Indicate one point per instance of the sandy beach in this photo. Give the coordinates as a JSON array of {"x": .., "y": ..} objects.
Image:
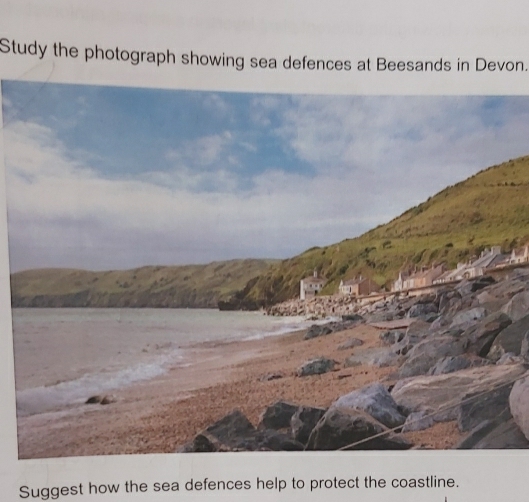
[{"x": 159, "y": 415}]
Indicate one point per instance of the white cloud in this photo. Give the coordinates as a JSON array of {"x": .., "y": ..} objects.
[
  {"x": 371, "y": 159},
  {"x": 62, "y": 214}
]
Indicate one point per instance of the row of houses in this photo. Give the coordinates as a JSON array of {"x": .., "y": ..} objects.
[
  {"x": 410, "y": 279},
  {"x": 489, "y": 259},
  {"x": 359, "y": 286}
]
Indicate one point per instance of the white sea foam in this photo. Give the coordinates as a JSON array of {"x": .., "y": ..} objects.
[
  {"x": 64, "y": 356},
  {"x": 74, "y": 392}
]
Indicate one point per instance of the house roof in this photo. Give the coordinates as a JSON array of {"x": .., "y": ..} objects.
[
  {"x": 487, "y": 260},
  {"x": 423, "y": 273},
  {"x": 520, "y": 251},
  {"x": 314, "y": 280},
  {"x": 352, "y": 282}
]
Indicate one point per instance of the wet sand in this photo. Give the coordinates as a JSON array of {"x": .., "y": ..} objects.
[{"x": 160, "y": 415}]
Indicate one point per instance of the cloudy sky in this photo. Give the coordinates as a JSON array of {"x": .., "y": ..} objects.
[{"x": 106, "y": 177}]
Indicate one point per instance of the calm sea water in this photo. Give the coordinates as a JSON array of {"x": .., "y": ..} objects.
[{"x": 64, "y": 355}]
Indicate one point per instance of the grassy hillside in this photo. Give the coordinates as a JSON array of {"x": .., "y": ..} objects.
[
  {"x": 184, "y": 286},
  {"x": 490, "y": 208}
]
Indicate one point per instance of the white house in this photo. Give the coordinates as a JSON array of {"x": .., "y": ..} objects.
[{"x": 311, "y": 285}]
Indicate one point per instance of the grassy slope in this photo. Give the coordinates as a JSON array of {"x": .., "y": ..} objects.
[
  {"x": 489, "y": 208},
  {"x": 183, "y": 286}
]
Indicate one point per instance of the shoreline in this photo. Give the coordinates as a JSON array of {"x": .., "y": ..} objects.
[{"x": 162, "y": 414}]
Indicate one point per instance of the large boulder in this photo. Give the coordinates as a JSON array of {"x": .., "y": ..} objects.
[
  {"x": 317, "y": 330},
  {"x": 425, "y": 354},
  {"x": 417, "y": 331},
  {"x": 375, "y": 400},
  {"x": 478, "y": 407},
  {"x": 443, "y": 394},
  {"x": 391, "y": 337},
  {"x": 518, "y": 306},
  {"x": 468, "y": 317},
  {"x": 480, "y": 336},
  {"x": 467, "y": 287},
  {"x": 316, "y": 366},
  {"x": 519, "y": 404},
  {"x": 234, "y": 432},
  {"x": 304, "y": 420},
  {"x": 507, "y": 289},
  {"x": 349, "y": 429},
  {"x": 449, "y": 365},
  {"x": 422, "y": 310},
  {"x": 494, "y": 435},
  {"x": 277, "y": 416},
  {"x": 510, "y": 339}
]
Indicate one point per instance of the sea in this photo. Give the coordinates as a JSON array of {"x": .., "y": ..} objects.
[{"x": 64, "y": 355}]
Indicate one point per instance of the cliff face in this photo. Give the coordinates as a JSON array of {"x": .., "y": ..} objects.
[
  {"x": 490, "y": 208},
  {"x": 193, "y": 286}
]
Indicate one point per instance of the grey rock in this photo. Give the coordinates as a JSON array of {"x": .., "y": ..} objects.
[
  {"x": 510, "y": 358},
  {"x": 353, "y": 430},
  {"x": 505, "y": 436},
  {"x": 510, "y": 339},
  {"x": 425, "y": 354},
  {"x": 104, "y": 400},
  {"x": 518, "y": 306},
  {"x": 449, "y": 365},
  {"x": 445, "y": 298},
  {"x": 94, "y": 400},
  {"x": 422, "y": 310},
  {"x": 507, "y": 289},
  {"x": 418, "y": 421},
  {"x": 417, "y": 331},
  {"x": 521, "y": 274},
  {"x": 350, "y": 344},
  {"x": 471, "y": 286},
  {"x": 234, "y": 432},
  {"x": 391, "y": 337},
  {"x": 478, "y": 433},
  {"x": 384, "y": 359},
  {"x": 519, "y": 403},
  {"x": 418, "y": 328},
  {"x": 441, "y": 322},
  {"x": 443, "y": 394},
  {"x": 495, "y": 435},
  {"x": 375, "y": 400},
  {"x": 477, "y": 407},
  {"x": 352, "y": 317},
  {"x": 479, "y": 337},
  {"x": 468, "y": 317},
  {"x": 316, "y": 366},
  {"x": 524, "y": 347},
  {"x": 381, "y": 316},
  {"x": 317, "y": 330},
  {"x": 303, "y": 421},
  {"x": 277, "y": 416}
]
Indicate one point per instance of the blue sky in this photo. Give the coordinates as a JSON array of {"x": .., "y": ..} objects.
[{"x": 108, "y": 177}]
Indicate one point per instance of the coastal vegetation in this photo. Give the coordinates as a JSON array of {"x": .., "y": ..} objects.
[
  {"x": 489, "y": 208},
  {"x": 193, "y": 286}
]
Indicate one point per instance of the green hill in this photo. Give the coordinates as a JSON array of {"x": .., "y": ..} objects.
[
  {"x": 490, "y": 208},
  {"x": 184, "y": 286}
]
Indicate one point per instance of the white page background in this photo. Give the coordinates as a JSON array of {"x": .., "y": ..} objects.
[{"x": 333, "y": 30}]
